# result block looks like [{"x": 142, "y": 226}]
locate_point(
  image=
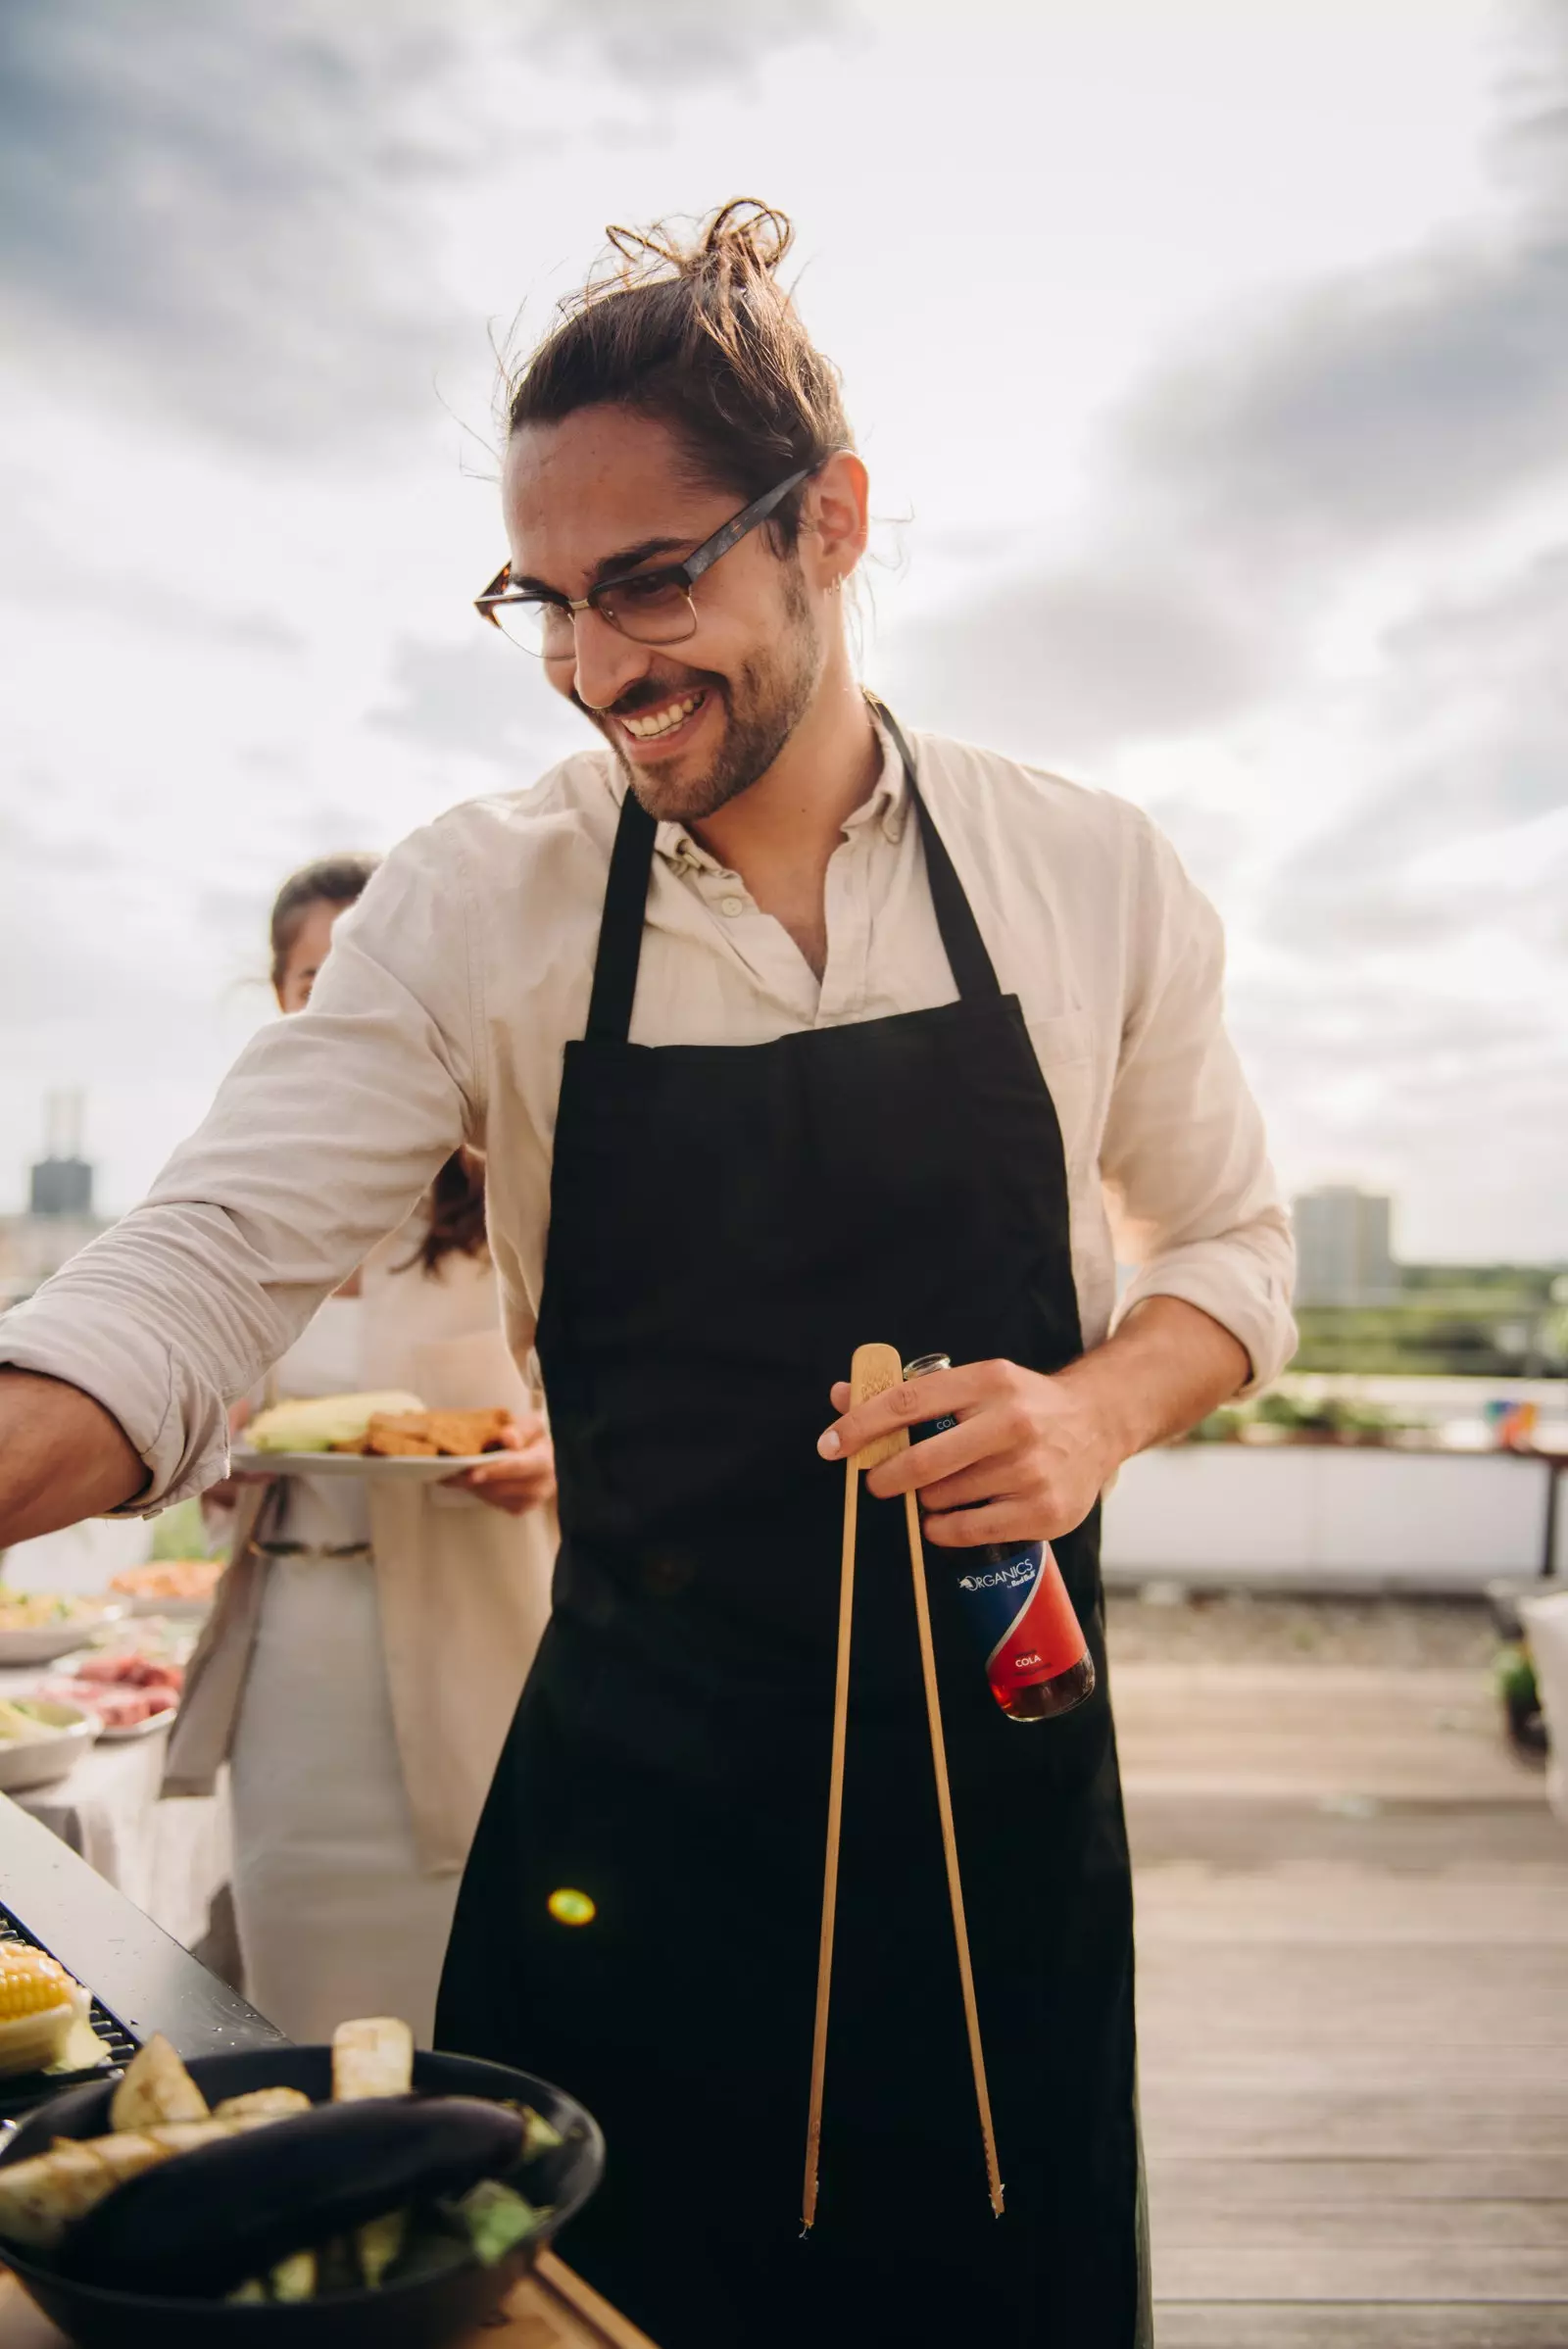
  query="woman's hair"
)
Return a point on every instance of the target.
[
  {"x": 699, "y": 335},
  {"x": 455, "y": 1207},
  {"x": 330, "y": 881}
]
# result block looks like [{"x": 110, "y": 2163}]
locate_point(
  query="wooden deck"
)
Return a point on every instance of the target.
[{"x": 1353, "y": 2009}]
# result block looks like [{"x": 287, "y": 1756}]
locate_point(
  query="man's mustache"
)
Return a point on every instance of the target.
[{"x": 648, "y": 693}]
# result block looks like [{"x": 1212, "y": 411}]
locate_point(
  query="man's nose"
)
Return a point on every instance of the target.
[{"x": 606, "y": 663}]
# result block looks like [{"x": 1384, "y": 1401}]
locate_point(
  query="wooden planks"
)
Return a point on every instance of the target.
[
  {"x": 1274, "y": 2325},
  {"x": 1352, "y": 1914}
]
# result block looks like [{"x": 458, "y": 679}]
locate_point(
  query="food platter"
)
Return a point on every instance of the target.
[
  {"x": 423, "y": 1470},
  {"x": 375, "y": 2197},
  {"x": 155, "y": 1589},
  {"x": 40, "y": 1761},
  {"x": 42, "y": 1642}
]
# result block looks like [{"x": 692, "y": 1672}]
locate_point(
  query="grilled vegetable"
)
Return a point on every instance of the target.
[
  {"x": 294, "y": 2277},
  {"x": 156, "y": 2087},
  {"x": 42, "y": 2199},
  {"x": 543, "y": 2136},
  {"x": 202, "y": 2224},
  {"x": 374, "y": 2057},
  {"x": 39, "y": 2001},
  {"x": 264, "y": 2103},
  {"x": 317, "y": 1425},
  {"x": 496, "y": 2219}
]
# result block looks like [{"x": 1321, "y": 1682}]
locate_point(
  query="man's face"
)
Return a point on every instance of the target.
[{"x": 607, "y": 493}]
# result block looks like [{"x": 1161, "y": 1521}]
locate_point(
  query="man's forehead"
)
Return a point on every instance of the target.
[{"x": 583, "y": 490}]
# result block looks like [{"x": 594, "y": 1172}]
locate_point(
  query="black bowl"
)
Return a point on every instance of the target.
[{"x": 426, "y": 2312}]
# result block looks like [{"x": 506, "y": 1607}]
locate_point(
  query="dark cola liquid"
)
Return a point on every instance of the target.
[{"x": 1017, "y": 1604}]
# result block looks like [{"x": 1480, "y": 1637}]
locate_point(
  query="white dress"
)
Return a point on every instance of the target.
[{"x": 335, "y": 1916}]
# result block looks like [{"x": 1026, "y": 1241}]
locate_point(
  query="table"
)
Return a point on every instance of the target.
[
  {"x": 552, "y": 2309},
  {"x": 168, "y": 1858}
]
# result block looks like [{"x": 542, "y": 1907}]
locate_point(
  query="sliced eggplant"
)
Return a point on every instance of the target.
[{"x": 201, "y": 2224}]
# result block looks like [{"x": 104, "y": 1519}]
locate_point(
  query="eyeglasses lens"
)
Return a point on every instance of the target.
[{"x": 660, "y": 612}]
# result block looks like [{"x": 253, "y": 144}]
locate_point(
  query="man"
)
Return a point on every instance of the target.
[{"x": 779, "y": 1035}]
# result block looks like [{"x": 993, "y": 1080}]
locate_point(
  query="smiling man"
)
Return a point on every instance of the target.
[{"x": 780, "y": 1034}]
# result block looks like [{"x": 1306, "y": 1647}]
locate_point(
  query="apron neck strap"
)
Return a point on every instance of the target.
[
  {"x": 973, "y": 971},
  {"x": 620, "y": 927}
]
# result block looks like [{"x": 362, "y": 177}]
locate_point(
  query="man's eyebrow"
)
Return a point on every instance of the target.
[{"x": 613, "y": 567}]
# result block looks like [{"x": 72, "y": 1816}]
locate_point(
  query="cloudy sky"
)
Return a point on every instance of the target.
[{"x": 1211, "y": 361}]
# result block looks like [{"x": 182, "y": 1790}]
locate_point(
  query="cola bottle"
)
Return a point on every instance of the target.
[{"x": 1017, "y": 1604}]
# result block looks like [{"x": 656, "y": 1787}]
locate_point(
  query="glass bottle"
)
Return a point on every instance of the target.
[{"x": 1017, "y": 1604}]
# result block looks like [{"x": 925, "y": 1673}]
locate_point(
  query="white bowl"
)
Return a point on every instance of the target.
[
  {"x": 50, "y": 1640},
  {"x": 38, "y": 1761}
]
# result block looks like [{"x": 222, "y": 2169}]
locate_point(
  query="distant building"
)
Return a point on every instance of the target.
[
  {"x": 1343, "y": 1248},
  {"x": 59, "y": 1217}
]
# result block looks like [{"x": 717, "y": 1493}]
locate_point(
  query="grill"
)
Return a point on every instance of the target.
[{"x": 22, "y": 2090}]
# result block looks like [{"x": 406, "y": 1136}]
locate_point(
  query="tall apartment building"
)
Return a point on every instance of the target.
[{"x": 1343, "y": 1247}]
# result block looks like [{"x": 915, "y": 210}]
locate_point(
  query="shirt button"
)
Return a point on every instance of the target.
[{"x": 732, "y": 907}]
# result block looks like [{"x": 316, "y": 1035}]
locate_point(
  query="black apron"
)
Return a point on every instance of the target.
[{"x": 727, "y": 1224}]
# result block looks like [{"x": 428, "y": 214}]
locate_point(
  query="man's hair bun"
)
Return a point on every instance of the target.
[{"x": 695, "y": 329}]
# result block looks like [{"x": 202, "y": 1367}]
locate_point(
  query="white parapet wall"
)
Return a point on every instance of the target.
[{"x": 1307, "y": 1517}]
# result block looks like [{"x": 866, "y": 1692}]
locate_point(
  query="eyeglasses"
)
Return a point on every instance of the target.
[{"x": 653, "y": 607}]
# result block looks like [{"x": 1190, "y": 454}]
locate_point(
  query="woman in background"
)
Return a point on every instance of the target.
[{"x": 371, "y": 1639}]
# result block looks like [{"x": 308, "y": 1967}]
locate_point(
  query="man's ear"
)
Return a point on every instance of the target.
[{"x": 835, "y": 523}]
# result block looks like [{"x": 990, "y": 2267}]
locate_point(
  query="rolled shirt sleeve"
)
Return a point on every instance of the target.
[
  {"x": 1192, "y": 1197},
  {"x": 321, "y": 1140}
]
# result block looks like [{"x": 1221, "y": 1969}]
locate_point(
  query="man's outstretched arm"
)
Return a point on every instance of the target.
[
  {"x": 119, "y": 1373},
  {"x": 63, "y": 1457}
]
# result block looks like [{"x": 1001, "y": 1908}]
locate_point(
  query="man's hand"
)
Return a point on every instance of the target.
[
  {"x": 521, "y": 1477},
  {"x": 1035, "y": 1450},
  {"x": 1039, "y": 1451},
  {"x": 63, "y": 1457}
]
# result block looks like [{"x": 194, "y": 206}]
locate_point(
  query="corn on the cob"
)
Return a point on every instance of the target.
[
  {"x": 322, "y": 1420},
  {"x": 38, "y": 2004}
]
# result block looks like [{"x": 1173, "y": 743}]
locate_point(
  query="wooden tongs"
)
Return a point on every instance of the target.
[{"x": 876, "y": 1368}]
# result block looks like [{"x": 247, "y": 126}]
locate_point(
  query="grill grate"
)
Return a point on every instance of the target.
[{"x": 21, "y": 2092}]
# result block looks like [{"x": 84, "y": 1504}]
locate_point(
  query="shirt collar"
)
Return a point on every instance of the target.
[{"x": 887, "y": 806}]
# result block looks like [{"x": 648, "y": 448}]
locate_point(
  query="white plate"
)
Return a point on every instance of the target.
[
  {"x": 38, "y": 1761},
  {"x": 181, "y": 1610},
  {"x": 139, "y": 1729},
  {"x": 353, "y": 1463},
  {"x": 52, "y": 1639}
]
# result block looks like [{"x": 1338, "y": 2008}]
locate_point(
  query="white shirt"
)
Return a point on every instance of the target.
[{"x": 451, "y": 989}]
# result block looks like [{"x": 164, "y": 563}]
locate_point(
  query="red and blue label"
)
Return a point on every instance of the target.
[{"x": 1021, "y": 1616}]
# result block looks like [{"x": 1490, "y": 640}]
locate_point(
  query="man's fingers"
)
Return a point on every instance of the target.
[
  {"x": 1021, "y": 1517},
  {"x": 957, "y": 1391},
  {"x": 934, "y": 1457},
  {"x": 996, "y": 1476}
]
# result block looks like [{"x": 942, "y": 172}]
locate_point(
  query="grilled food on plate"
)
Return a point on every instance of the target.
[
  {"x": 323, "y": 1422},
  {"x": 269, "y": 2197},
  {"x": 432, "y": 1434},
  {"x": 171, "y": 1577}
]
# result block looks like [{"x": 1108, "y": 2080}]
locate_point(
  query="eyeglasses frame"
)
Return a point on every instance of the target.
[{"x": 687, "y": 572}]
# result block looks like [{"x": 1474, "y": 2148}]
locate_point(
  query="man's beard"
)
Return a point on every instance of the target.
[{"x": 764, "y": 701}]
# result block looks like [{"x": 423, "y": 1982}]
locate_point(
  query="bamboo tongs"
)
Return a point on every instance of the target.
[{"x": 876, "y": 1368}]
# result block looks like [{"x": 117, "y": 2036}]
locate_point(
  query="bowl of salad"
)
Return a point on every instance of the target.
[
  {"x": 357, "y": 2196},
  {"x": 36, "y": 1626},
  {"x": 41, "y": 1738}
]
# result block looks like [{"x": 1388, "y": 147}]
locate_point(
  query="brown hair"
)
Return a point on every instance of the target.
[
  {"x": 699, "y": 335},
  {"x": 331, "y": 881},
  {"x": 455, "y": 1205}
]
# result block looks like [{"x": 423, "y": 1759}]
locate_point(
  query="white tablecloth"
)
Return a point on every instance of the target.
[{"x": 168, "y": 1857}]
